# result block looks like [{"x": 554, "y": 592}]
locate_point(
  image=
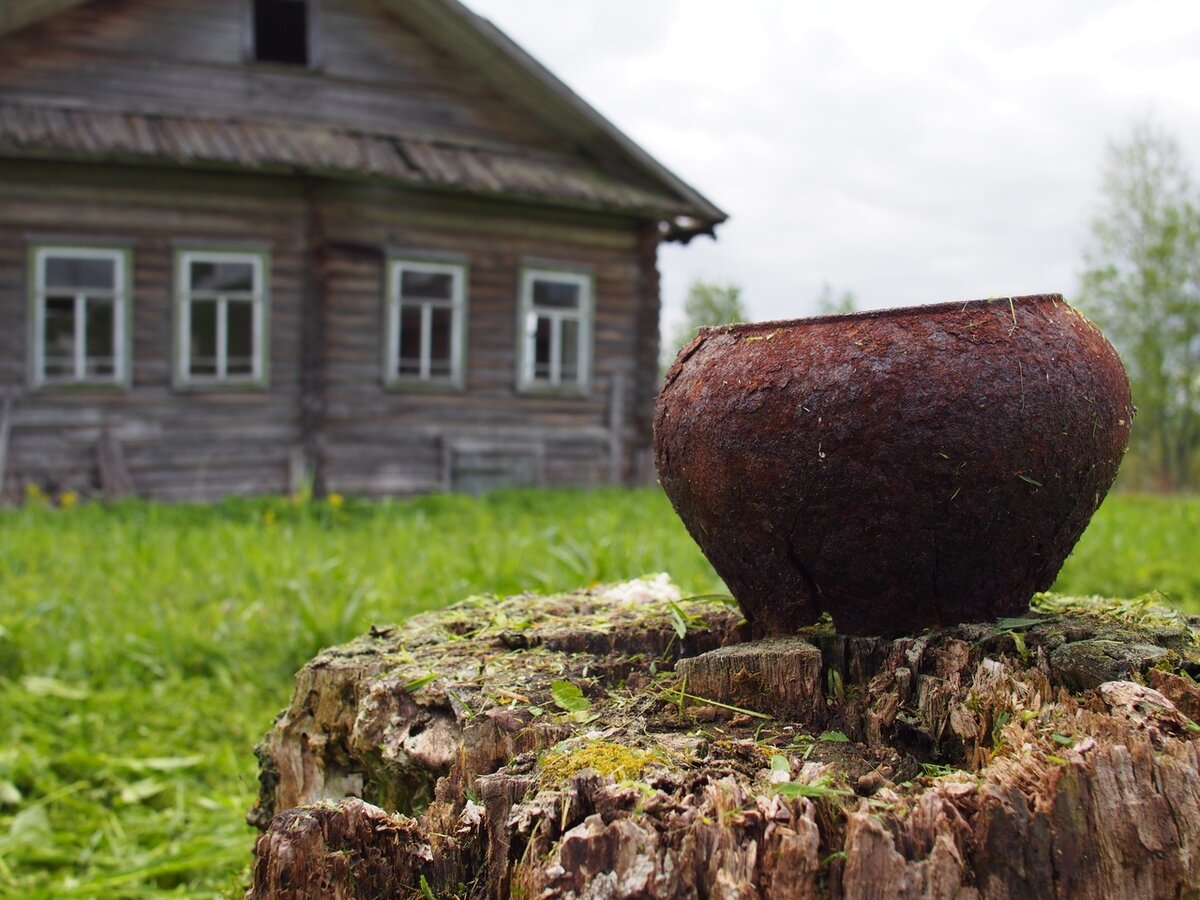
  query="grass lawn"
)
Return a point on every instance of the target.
[{"x": 144, "y": 649}]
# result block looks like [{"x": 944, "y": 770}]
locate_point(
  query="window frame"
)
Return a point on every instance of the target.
[
  {"x": 260, "y": 299},
  {"x": 122, "y": 299},
  {"x": 527, "y": 383},
  {"x": 393, "y": 302}
]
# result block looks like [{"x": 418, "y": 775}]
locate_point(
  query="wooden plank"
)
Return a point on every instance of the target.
[
  {"x": 313, "y": 352},
  {"x": 173, "y": 55},
  {"x": 115, "y": 480},
  {"x": 5, "y": 430},
  {"x": 616, "y": 419}
]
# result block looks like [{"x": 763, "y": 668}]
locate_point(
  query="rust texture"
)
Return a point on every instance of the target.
[{"x": 898, "y": 469}]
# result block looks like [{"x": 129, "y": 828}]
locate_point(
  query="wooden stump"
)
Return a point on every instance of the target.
[{"x": 580, "y": 746}]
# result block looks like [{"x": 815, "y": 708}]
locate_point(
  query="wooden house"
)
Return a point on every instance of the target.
[{"x": 245, "y": 244}]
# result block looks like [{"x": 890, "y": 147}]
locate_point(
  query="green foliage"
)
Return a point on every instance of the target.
[
  {"x": 820, "y": 789},
  {"x": 1136, "y": 545},
  {"x": 707, "y": 303},
  {"x": 145, "y": 649},
  {"x": 569, "y": 697},
  {"x": 1142, "y": 286},
  {"x": 830, "y": 303}
]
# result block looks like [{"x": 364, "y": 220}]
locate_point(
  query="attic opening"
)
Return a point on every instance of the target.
[{"x": 281, "y": 31}]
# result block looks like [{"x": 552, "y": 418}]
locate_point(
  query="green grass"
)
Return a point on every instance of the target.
[
  {"x": 145, "y": 649},
  {"x": 1137, "y": 544}
]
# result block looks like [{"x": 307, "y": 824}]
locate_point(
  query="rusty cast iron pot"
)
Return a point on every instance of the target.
[{"x": 897, "y": 468}]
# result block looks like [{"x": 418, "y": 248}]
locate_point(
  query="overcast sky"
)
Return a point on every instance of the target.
[{"x": 910, "y": 152}]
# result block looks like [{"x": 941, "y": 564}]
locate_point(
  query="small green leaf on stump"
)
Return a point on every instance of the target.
[{"x": 569, "y": 698}]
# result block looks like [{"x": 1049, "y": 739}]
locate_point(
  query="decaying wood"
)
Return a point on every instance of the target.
[
  {"x": 1055, "y": 755},
  {"x": 777, "y": 675}
]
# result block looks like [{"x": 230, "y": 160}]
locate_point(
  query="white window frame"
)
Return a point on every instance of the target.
[
  {"x": 257, "y": 297},
  {"x": 119, "y": 296},
  {"x": 457, "y": 304},
  {"x": 527, "y": 315}
]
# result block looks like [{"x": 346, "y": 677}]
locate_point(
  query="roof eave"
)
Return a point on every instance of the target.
[
  {"x": 674, "y": 225},
  {"x": 515, "y": 73},
  {"x": 501, "y": 60}
]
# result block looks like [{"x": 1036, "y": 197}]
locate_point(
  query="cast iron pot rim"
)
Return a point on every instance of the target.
[{"x": 869, "y": 314}]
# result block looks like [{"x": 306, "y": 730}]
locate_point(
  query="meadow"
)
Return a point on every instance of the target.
[{"x": 144, "y": 649}]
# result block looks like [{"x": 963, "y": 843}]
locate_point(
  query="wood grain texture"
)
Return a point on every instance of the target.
[
  {"x": 327, "y": 243},
  {"x": 476, "y": 781},
  {"x": 177, "y": 56}
]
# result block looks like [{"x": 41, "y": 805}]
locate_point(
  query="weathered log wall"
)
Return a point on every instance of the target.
[
  {"x": 952, "y": 764},
  {"x": 177, "y": 67},
  {"x": 179, "y": 56},
  {"x": 209, "y": 443},
  {"x": 198, "y": 444}
]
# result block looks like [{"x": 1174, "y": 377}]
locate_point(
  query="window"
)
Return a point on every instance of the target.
[
  {"x": 426, "y": 326},
  {"x": 220, "y": 317},
  {"x": 80, "y": 315},
  {"x": 281, "y": 31},
  {"x": 555, "y": 331}
]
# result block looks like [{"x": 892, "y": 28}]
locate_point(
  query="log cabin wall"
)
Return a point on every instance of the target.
[
  {"x": 381, "y": 441},
  {"x": 142, "y": 122},
  {"x": 178, "y": 444},
  {"x": 374, "y": 440},
  {"x": 183, "y": 57}
]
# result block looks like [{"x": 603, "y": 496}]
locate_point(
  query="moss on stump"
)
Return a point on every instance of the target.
[{"x": 553, "y": 746}]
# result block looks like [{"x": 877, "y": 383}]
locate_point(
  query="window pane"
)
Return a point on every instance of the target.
[
  {"x": 426, "y": 285},
  {"x": 60, "y": 337},
  {"x": 440, "y": 342},
  {"x": 410, "y": 340},
  {"x": 219, "y": 277},
  {"x": 570, "y": 350},
  {"x": 557, "y": 294},
  {"x": 239, "y": 338},
  {"x": 204, "y": 337},
  {"x": 101, "y": 333},
  {"x": 80, "y": 272},
  {"x": 281, "y": 31},
  {"x": 541, "y": 349}
]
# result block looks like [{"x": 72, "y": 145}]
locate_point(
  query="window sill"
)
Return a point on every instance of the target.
[{"x": 82, "y": 387}]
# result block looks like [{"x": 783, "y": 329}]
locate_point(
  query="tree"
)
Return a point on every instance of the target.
[
  {"x": 830, "y": 304},
  {"x": 1142, "y": 286},
  {"x": 707, "y": 303}
]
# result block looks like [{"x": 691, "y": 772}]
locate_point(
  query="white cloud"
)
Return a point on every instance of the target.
[{"x": 909, "y": 152}]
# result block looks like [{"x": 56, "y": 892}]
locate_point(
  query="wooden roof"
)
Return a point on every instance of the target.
[
  {"x": 418, "y": 160},
  {"x": 292, "y": 147}
]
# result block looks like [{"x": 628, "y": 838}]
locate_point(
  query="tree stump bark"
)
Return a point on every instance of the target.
[{"x": 581, "y": 746}]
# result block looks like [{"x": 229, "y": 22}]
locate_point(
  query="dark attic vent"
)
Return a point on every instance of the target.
[{"x": 281, "y": 31}]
